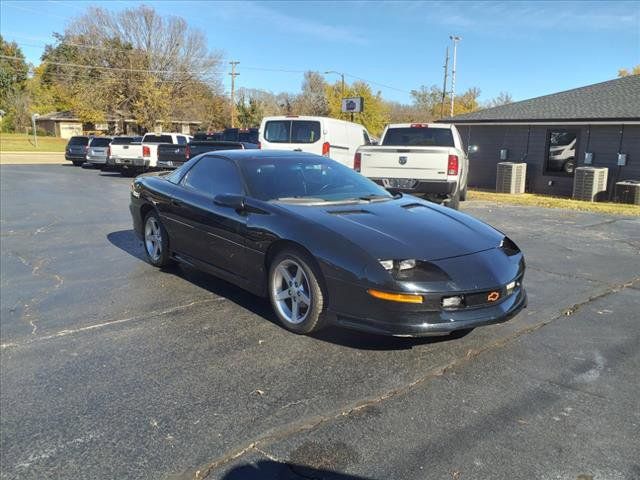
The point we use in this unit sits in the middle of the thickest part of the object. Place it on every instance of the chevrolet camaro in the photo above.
(325, 244)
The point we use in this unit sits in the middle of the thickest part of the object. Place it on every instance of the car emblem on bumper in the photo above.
(493, 296)
(402, 160)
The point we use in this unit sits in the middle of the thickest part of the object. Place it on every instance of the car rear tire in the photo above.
(77, 163)
(295, 292)
(156, 241)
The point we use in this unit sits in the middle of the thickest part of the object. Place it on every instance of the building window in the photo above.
(561, 152)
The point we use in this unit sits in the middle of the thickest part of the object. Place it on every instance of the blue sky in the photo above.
(525, 48)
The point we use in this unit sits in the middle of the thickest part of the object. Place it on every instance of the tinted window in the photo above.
(182, 140)
(79, 141)
(311, 177)
(100, 142)
(418, 137)
(122, 141)
(292, 131)
(212, 176)
(208, 136)
(157, 139)
(249, 137)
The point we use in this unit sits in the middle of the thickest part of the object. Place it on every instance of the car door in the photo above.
(211, 233)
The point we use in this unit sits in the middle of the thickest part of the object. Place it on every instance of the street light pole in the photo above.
(341, 77)
(33, 122)
(455, 39)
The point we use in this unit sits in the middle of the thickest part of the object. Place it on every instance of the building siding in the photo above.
(528, 143)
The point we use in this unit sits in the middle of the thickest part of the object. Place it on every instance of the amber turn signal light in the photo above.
(395, 297)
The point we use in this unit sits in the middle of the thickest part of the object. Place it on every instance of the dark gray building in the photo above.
(555, 133)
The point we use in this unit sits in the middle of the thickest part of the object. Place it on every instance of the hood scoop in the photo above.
(411, 206)
(351, 211)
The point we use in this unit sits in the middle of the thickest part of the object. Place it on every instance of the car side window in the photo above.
(367, 140)
(214, 175)
(182, 140)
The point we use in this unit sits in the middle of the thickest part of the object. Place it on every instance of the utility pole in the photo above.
(233, 91)
(455, 39)
(444, 86)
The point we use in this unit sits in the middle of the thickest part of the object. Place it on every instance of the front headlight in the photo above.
(399, 265)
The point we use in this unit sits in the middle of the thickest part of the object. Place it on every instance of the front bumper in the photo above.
(444, 322)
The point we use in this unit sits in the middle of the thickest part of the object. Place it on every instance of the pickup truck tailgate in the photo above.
(427, 163)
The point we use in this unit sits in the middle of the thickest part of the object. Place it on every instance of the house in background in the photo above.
(554, 134)
(66, 125)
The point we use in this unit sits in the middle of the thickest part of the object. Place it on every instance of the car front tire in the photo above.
(295, 292)
(156, 241)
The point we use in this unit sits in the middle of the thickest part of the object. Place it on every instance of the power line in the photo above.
(119, 69)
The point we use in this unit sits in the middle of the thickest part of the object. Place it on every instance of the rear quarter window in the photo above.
(418, 137)
(122, 141)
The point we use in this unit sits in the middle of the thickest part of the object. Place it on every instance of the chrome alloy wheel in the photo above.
(153, 238)
(290, 291)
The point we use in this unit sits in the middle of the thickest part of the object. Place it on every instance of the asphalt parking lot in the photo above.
(113, 369)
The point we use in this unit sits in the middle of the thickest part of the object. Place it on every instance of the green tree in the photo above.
(623, 72)
(13, 77)
(376, 112)
(249, 112)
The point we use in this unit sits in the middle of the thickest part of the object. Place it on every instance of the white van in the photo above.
(330, 137)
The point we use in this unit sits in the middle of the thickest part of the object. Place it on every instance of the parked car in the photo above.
(330, 137)
(98, 151)
(119, 150)
(172, 156)
(326, 244)
(425, 159)
(246, 135)
(76, 150)
(143, 157)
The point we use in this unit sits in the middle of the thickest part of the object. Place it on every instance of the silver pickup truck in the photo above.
(424, 159)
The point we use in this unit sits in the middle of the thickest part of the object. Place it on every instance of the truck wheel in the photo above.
(454, 202)
(463, 194)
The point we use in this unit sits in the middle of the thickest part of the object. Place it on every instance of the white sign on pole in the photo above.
(353, 105)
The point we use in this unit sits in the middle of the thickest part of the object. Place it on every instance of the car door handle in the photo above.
(297, 149)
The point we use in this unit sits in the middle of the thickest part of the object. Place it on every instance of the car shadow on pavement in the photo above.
(274, 470)
(128, 242)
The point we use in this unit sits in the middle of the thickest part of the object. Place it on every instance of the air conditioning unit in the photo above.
(588, 182)
(628, 191)
(510, 177)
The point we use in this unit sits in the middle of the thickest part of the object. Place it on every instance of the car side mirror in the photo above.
(472, 149)
(237, 202)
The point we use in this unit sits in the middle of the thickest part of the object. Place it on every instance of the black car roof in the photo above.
(241, 155)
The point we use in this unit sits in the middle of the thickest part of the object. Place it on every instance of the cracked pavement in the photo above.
(110, 368)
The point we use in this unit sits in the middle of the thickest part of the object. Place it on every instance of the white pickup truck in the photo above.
(138, 157)
(424, 159)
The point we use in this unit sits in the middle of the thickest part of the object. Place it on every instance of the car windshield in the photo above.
(307, 179)
(418, 137)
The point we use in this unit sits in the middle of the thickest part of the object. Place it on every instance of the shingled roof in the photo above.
(614, 100)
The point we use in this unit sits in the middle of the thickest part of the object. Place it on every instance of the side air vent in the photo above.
(588, 182)
(510, 177)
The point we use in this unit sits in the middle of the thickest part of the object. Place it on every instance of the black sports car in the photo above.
(325, 244)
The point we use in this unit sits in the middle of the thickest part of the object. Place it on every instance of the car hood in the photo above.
(404, 228)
